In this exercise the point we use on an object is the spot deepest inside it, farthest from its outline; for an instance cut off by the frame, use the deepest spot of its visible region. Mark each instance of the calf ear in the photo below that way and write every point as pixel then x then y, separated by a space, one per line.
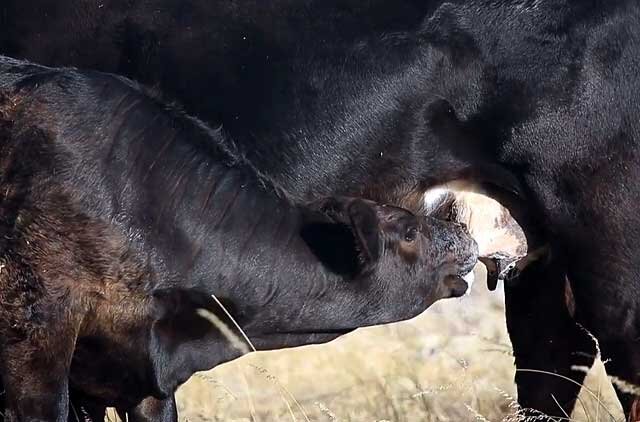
pixel 361 218
pixel 366 228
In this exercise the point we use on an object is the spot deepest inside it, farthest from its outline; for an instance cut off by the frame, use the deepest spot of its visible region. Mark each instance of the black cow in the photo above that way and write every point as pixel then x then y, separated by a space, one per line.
pixel 539 98
pixel 121 216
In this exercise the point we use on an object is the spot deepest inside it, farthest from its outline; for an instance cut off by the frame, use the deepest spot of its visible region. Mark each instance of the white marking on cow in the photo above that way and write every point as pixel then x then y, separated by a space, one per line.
pixel 433 197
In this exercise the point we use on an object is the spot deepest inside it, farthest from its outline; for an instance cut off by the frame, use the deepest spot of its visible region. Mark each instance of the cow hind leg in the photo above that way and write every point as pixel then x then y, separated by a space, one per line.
pixel 623 363
pixel 547 342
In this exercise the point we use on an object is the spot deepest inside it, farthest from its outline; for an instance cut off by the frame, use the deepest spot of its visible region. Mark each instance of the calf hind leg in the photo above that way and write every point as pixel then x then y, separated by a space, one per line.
pixel 84 409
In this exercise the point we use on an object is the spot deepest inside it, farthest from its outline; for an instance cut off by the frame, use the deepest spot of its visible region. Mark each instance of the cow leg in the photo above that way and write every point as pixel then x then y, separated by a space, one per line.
pixel 546 338
pixel 154 410
pixel 88 413
pixel 35 375
pixel 623 363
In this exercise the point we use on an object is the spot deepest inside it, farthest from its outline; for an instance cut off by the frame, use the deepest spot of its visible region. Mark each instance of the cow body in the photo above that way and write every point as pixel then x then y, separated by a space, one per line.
pixel 261 74
pixel 121 217
pixel 538 98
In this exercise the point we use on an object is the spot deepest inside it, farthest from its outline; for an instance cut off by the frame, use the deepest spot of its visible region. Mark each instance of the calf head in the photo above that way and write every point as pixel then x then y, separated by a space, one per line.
pixel 403 253
pixel 366 264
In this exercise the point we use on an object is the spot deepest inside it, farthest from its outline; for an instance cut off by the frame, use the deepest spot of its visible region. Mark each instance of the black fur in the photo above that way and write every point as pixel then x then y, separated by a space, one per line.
pixel 121 216
pixel 537 97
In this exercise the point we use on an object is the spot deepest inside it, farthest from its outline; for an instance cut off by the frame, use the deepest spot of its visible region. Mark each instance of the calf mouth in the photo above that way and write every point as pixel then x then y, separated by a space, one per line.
pixel 460 280
pixel 458 285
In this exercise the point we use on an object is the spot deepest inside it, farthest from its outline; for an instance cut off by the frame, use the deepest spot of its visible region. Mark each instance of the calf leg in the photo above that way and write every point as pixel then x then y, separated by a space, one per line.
pixel 87 413
pixel 84 409
pixel 546 338
pixel 153 410
pixel 35 375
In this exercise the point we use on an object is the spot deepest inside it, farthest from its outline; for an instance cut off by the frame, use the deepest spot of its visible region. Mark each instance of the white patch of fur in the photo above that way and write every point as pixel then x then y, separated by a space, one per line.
pixel 434 196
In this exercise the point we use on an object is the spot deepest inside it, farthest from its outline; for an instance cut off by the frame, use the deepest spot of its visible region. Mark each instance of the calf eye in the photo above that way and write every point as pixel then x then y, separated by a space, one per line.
pixel 411 234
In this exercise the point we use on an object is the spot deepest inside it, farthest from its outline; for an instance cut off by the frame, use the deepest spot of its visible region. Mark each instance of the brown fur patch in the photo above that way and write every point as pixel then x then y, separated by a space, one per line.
pixel 412 200
pixel 408 251
pixel 64 276
pixel 404 196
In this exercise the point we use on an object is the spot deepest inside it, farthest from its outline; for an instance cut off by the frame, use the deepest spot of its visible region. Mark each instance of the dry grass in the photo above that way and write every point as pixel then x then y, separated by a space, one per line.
pixel 453 363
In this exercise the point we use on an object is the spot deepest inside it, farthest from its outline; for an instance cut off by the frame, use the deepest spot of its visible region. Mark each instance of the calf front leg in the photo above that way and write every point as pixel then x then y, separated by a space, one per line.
pixel 85 409
pixel 546 339
pixel 35 374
